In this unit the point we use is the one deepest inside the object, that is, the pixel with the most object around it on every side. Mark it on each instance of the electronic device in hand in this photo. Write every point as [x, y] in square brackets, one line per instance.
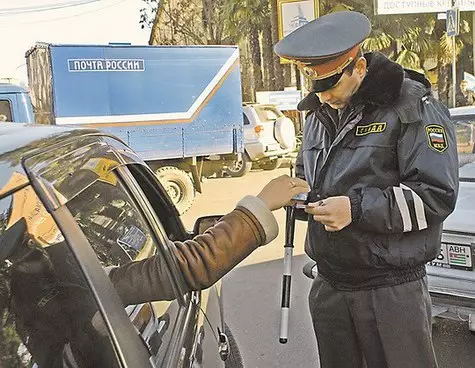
[300, 200]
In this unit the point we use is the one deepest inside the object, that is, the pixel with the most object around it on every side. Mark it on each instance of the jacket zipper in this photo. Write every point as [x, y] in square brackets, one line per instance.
[336, 139]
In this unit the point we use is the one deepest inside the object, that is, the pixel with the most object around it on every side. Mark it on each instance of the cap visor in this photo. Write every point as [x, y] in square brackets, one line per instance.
[325, 84]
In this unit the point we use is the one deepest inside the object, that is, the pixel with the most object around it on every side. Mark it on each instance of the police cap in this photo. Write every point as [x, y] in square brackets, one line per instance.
[324, 47]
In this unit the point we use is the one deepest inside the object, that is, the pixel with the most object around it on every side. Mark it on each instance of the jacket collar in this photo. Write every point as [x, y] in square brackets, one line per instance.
[381, 86]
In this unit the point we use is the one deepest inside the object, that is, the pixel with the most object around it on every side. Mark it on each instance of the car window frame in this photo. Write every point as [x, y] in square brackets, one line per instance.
[127, 343]
[186, 299]
[10, 103]
[105, 146]
[162, 242]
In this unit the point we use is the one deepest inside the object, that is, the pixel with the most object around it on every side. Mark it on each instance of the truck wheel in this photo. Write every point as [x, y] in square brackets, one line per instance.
[240, 167]
[234, 358]
[271, 164]
[179, 187]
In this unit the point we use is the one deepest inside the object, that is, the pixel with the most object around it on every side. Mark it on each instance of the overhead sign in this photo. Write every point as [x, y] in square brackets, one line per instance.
[452, 22]
[421, 6]
[293, 14]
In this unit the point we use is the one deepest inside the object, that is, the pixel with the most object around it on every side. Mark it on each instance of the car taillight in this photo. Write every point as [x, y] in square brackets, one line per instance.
[259, 128]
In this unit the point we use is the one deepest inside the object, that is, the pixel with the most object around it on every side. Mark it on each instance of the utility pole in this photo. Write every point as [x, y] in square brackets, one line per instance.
[452, 27]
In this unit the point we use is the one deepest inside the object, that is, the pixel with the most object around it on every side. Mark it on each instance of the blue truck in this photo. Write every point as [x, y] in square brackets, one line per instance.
[179, 107]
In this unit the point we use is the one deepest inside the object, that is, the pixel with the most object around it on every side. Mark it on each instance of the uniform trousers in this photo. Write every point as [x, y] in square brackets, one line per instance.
[387, 327]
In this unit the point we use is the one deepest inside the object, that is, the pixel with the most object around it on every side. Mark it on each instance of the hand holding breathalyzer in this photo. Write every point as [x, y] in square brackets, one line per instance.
[333, 212]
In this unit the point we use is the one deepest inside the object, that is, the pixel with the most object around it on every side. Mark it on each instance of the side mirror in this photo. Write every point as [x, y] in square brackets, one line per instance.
[204, 223]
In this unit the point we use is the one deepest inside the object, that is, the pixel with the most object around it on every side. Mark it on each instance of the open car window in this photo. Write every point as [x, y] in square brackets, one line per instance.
[114, 226]
[119, 232]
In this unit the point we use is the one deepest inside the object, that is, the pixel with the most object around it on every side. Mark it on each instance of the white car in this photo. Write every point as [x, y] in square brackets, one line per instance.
[451, 276]
[269, 136]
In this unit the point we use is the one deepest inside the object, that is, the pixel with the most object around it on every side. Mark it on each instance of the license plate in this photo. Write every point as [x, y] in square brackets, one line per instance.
[454, 256]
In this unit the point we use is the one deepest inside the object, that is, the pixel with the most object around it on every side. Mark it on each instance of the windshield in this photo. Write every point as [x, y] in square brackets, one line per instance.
[267, 113]
[466, 196]
[465, 127]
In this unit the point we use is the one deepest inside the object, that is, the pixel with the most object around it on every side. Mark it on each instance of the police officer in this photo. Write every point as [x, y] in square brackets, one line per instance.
[379, 154]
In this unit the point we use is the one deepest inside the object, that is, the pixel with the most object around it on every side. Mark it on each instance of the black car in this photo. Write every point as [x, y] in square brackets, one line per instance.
[74, 203]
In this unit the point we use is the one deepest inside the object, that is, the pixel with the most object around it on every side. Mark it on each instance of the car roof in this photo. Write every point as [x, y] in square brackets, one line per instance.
[18, 136]
[18, 141]
[462, 111]
[9, 87]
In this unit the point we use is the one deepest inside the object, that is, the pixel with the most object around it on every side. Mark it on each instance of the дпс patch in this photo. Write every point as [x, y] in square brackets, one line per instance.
[371, 128]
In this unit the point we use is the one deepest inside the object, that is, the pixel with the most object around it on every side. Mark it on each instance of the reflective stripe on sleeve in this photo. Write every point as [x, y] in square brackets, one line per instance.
[419, 208]
[403, 209]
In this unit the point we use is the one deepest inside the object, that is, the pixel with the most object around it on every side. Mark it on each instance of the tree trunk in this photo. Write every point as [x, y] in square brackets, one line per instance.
[267, 56]
[246, 78]
[278, 70]
[154, 32]
[207, 19]
[287, 75]
[256, 58]
[442, 69]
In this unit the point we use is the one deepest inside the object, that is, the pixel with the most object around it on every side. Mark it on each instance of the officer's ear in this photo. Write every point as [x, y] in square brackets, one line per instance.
[360, 67]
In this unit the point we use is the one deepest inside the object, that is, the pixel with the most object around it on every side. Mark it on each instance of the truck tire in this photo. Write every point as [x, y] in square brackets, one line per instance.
[179, 187]
[234, 358]
[284, 133]
[240, 167]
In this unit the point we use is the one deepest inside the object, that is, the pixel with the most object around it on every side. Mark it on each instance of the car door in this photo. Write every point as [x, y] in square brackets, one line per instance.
[199, 347]
[83, 182]
[111, 218]
[120, 223]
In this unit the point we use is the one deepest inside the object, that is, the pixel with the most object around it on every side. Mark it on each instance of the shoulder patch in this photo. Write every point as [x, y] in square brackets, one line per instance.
[371, 128]
[436, 137]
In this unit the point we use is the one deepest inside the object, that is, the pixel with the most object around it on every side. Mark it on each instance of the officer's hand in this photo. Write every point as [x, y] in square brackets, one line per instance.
[333, 212]
[279, 191]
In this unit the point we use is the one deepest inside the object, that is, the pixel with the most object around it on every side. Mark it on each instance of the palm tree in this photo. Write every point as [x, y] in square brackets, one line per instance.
[412, 40]
[278, 70]
[248, 18]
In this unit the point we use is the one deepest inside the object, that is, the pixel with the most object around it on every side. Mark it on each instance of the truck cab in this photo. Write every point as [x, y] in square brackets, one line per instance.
[15, 104]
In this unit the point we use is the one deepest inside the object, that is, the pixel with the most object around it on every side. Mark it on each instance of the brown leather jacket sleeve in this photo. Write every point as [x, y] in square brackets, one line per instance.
[203, 260]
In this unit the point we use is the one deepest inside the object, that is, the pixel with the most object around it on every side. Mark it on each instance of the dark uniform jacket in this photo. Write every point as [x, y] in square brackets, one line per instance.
[394, 155]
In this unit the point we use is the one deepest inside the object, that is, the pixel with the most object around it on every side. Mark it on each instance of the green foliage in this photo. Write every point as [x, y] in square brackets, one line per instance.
[409, 59]
[407, 38]
[410, 39]
[378, 41]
